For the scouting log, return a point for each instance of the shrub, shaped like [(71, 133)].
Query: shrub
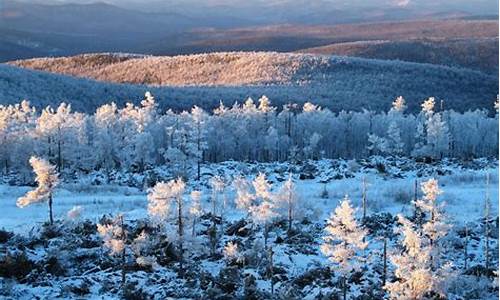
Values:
[(16, 266)]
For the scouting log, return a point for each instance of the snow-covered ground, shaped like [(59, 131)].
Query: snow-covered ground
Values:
[(299, 267), (464, 191)]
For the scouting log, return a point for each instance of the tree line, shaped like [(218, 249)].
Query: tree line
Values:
[(135, 138)]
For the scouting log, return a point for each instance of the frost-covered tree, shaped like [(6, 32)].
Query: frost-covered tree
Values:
[(377, 144), (142, 248), (17, 123), (62, 136), (433, 137), (162, 199), (231, 253), (198, 132), (395, 142), (244, 196), (195, 210), (415, 277), (438, 136), (114, 236), (108, 137), (344, 238), (287, 199), (399, 105), (47, 179), (435, 227), (263, 211)]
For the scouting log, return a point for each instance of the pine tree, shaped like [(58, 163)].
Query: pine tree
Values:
[(344, 237), (416, 278), (419, 270), (399, 105), (434, 227), (47, 179)]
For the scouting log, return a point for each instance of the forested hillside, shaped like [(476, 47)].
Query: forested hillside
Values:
[(477, 54), (337, 83)]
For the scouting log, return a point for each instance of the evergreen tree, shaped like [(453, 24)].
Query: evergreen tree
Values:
[(344, 238)]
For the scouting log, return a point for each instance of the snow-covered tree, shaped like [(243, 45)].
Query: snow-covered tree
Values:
[(198, 132), (244, 196), (399, 105), (415, 277), (394, 143), (108, 139), (231, 253), (433, 137), (47, 179), (195, 210), (435, 227), (263, 211), (438, 136), (344, 238), (428, 105), (377, 144), (114, 236), (286, 199), (142, 248), (162, 197)]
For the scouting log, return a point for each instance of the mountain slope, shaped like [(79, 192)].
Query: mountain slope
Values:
[(334, 82), (479, 54)]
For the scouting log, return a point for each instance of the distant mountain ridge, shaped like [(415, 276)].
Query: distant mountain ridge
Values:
[(63, 28), (478, 54), (338, 83)]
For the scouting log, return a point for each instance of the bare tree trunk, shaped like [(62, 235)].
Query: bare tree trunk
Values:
[(344, 287), (487, 224), (416, 213), (271, 270), (223, 209), (194, 226), (180, 232), (213, 233), (59, 152), (123, 237), (198, 143), (384, 273), (51, 218), (364, 199), (466, 245), (266, 234)]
